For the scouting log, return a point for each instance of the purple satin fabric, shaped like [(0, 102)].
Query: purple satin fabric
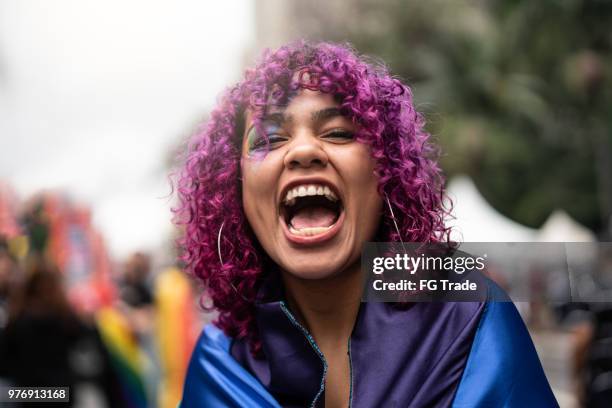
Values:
[(401, 356), (291, 370), (413, 357)]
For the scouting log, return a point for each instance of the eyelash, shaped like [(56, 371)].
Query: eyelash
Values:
[(271, 140), (339, 134), (274, 138)]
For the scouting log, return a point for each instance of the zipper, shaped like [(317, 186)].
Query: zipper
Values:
[(350, 374), (313, 344)]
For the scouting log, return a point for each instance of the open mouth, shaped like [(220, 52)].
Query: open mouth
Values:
[(311, 210)]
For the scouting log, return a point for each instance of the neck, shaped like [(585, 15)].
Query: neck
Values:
[(326, 307)]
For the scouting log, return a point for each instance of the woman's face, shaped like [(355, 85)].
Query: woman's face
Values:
[(311, 195)]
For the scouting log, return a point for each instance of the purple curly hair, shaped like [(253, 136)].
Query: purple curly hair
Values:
[(209, 188)]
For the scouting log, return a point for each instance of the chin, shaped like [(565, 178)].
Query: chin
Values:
[(314, 272), (315, 266)]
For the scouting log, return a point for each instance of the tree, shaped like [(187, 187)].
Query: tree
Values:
[(517, 92)]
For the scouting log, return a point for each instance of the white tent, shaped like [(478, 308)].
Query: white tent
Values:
[(475, 220), (560, 227)]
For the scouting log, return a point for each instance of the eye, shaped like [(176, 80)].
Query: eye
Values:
[(340, 135), (258, 142)]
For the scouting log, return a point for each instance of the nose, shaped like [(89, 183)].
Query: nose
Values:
[(305, 152)]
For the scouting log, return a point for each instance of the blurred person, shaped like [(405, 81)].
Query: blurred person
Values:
[(598, 358), (36, 223), (136, 304), (592, 357), (314, 153), (134, 288), (41, 332), (8, 272), (8, 276), (587, 320), (592, 339)]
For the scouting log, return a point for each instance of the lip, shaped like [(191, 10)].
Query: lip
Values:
[(307, 180), (315, 239)]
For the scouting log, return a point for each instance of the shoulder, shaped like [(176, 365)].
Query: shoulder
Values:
[(503, 368), (215, 378)]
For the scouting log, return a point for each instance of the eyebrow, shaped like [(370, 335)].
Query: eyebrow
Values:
[(325, 114), (278, 118), (322, 115)]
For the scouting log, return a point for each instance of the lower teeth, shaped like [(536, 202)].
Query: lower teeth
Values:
[(308, 232)]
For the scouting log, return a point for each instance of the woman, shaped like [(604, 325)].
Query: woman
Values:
[(314, 153), (41, 333)]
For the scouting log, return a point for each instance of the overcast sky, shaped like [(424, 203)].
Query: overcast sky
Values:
[(94, 94)]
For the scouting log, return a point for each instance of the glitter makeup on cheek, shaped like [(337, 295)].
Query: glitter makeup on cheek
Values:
[(258, 144), (253, 138)]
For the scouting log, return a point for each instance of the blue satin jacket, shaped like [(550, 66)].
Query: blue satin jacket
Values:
[(434, 354)]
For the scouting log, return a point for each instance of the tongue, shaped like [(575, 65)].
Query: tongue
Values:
[(310, 217)]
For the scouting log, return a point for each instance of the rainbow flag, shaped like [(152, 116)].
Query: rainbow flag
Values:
[(127, 357), (177, 329)]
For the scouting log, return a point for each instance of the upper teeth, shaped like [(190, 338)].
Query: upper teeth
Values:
[(309, 190)]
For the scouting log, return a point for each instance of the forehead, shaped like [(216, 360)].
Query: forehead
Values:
[(304, 106)]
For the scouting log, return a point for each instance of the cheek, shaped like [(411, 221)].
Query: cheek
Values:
[(359, 170), (259, 180), (359, 167), (257, 177)]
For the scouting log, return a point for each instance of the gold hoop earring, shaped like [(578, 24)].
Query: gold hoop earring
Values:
[(393, 219)]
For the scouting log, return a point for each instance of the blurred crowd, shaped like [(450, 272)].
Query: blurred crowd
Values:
[(118, 334)]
